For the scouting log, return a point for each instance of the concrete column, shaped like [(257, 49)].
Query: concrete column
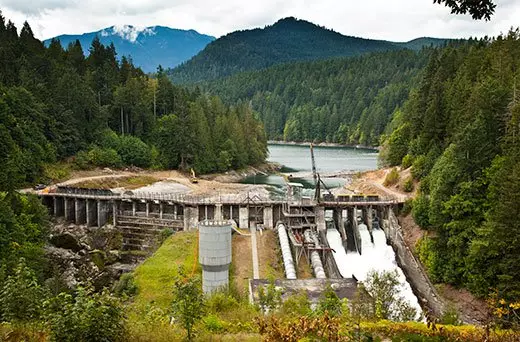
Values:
[(320, 218), (69, 208), (134, 208), (58, 206), (80, 211), (191, 217), (114, 213), (205, 212), (161, 209), (338, 220), (268, 218), (102, 213), (147, 209), (243, 217), (91, 213), (218, 213), (175, 211)]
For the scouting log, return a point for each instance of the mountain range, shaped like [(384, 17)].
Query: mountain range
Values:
[(288, 40), (194, 57), (148, 47)]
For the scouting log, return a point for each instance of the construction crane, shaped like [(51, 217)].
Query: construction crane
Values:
[(317, 180)]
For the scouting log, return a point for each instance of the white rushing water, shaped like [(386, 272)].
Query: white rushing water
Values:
[(377, 256)]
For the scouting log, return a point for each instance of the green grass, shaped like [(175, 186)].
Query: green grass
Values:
[(154, 277)]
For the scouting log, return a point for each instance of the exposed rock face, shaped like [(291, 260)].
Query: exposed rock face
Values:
[(66, 241), (81, 254)]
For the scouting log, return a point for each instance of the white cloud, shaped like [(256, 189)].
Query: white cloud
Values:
[(398, 20)]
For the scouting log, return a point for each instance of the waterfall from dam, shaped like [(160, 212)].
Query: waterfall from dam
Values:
[(377, 256)]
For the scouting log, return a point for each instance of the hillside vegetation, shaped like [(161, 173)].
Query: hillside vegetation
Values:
[(342, 100), (460, 132), (287, 40), (56, 104)]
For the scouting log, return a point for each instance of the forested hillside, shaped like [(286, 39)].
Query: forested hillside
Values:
[(342, 100), (287, 40), (460, 132), (56, 104)]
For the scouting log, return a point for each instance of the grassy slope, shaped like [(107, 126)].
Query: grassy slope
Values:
[(155, 276)]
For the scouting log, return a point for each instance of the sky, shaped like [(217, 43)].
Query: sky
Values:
[(396, 20)]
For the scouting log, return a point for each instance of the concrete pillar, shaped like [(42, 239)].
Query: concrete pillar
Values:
[(320, 218), (69, 209), (134, 208), (191, 217), (369, 218), (268, 218), (101, 213), (218, 212), (243, 217), (114, 213), (161, 209), (338, 220), (91, 209), (58, 206), (147, 209), (205, 212), (80, 211), (175, 211)]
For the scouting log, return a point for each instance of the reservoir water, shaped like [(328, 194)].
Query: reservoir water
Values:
[(331, 162)]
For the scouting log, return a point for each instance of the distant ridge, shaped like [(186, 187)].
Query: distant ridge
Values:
[(148, 47), (287, 40)]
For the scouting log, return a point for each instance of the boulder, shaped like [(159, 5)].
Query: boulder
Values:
[(66, 241)]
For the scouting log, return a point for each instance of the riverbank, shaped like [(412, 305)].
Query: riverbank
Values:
[(322, 144)]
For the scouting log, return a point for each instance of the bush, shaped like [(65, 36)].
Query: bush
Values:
[(407, 207), (392, 177), (296, 305), (104, 157), (126, 286), (420, 211), (20, 296), (88, 316), (213, 323), (134, 151), (407, 161), (408, 185)]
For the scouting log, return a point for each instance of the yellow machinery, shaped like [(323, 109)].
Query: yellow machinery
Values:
[(193, 177)]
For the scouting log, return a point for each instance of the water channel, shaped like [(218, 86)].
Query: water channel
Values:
[(335, 164)]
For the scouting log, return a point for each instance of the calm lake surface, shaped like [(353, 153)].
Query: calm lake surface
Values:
[(330, 162)]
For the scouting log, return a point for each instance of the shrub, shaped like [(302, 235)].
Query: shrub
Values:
[(104, 157), (269, 297), (407, 207), (329, 302), (88, 316), (407, 161), (134, 151), (392, 177), (296, 305), (126, 286), (213, 323), (188, 301), (408, 185), (20, 296), (420, 211)]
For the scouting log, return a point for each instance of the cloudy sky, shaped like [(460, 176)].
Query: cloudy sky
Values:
[(397, 20)]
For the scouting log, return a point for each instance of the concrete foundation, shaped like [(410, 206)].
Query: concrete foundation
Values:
[(80, 211), (268, 218), (69, 209), (91, 208), (218, 212), (102, 213), (243, 217), (191, 217), (320, 218)]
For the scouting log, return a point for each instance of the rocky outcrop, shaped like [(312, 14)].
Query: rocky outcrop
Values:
[(80, 254)]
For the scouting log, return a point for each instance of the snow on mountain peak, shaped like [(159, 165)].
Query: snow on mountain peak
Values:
[(128, 32)]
